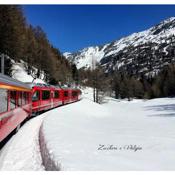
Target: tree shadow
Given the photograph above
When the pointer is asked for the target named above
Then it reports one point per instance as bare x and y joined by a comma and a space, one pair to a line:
163, 115
169, 110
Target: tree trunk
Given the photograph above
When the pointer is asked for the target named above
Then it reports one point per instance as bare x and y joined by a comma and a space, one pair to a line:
94, 94
97, 96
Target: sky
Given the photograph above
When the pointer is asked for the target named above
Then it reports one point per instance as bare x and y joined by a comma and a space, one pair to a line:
73, 27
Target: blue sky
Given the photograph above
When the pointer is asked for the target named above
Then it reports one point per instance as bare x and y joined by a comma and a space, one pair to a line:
73, 27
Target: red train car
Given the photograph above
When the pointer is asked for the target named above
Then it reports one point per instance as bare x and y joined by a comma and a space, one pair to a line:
15, 104
71, 95
66, 96
75, 95
19, 101
58, 97
46, 97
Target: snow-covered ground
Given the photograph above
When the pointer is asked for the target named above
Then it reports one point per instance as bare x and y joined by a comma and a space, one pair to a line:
22, 151
117, 135
88, 136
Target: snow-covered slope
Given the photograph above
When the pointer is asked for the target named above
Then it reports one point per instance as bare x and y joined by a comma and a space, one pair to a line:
84, 58
144, 51
19, 73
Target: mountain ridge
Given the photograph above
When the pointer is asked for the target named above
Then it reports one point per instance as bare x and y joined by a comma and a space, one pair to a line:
139, 53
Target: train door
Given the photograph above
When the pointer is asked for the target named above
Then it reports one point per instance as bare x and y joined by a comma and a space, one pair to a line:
52, 97
36, 102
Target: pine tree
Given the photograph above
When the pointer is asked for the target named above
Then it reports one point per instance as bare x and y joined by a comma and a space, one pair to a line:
116, 86
12, 26
75, 73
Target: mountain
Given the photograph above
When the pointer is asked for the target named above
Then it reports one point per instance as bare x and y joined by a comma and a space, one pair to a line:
142, 53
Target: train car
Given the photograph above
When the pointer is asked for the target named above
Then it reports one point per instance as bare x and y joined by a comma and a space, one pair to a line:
58, 97
15, 104
19, 101
46, 97
79, 94
75, 95
66, 95
71, 95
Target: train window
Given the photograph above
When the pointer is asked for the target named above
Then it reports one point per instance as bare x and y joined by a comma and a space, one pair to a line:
24, 98
3, 100
65, 93
45, 95
36, 96
74, 93
12, 99
27, 97
56, 94
19, 98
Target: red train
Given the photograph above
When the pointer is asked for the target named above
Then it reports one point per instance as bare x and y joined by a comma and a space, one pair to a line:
19, 101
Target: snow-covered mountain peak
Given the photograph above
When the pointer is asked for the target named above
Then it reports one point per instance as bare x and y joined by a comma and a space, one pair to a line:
66, 54
85, 57
168, 20
157, 41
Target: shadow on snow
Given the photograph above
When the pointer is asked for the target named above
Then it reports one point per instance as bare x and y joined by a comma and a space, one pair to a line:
169, 110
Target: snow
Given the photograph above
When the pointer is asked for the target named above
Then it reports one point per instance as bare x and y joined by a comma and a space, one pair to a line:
165, 50
22, 151
86, 56
66, 54
74, 134
117, 49
19, 73
134, 135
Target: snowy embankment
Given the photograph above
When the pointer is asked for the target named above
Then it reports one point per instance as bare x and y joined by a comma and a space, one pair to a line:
67, 130
118, 135
22, 151
19, 73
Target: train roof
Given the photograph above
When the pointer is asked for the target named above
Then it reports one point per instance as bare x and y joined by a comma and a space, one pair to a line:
10, 83
71, 87
40, 85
